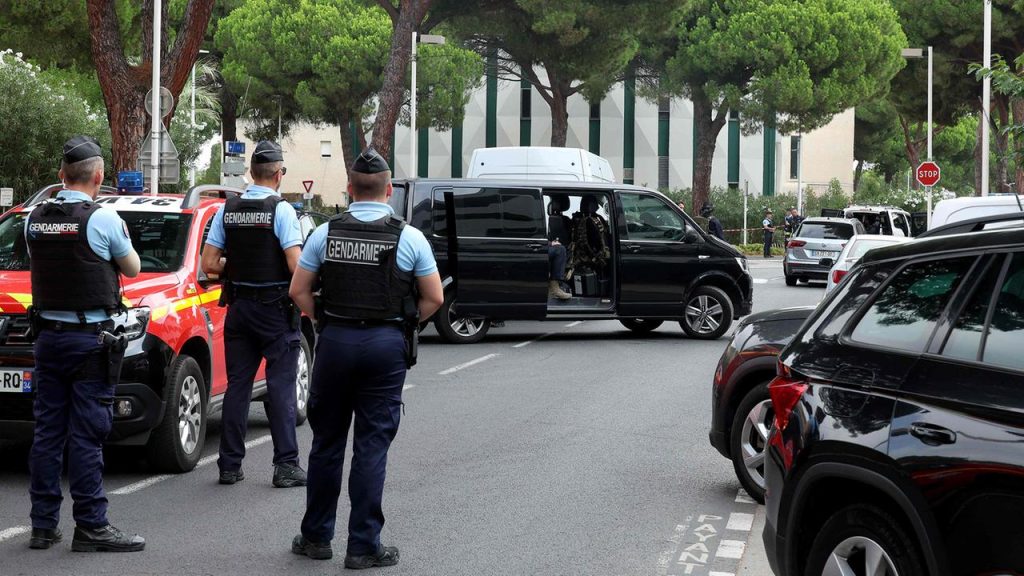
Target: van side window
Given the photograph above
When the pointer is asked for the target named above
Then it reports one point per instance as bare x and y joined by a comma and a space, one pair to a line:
649, 218
492, 213
900, 222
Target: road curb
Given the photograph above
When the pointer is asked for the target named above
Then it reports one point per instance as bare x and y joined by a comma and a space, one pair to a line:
755, 561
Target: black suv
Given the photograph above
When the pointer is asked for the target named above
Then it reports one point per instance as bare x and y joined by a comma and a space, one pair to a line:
898, 445
634, 256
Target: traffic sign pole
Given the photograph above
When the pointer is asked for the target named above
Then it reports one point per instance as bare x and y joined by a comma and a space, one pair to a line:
157, 117
928, 189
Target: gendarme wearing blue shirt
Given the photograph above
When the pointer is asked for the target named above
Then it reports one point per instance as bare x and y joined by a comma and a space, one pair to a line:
414, 252
286, 225
108, 238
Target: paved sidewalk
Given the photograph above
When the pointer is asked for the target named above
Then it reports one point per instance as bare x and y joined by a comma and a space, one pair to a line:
755, 562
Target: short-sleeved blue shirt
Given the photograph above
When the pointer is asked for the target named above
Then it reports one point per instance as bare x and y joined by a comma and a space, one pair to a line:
414, 252
286, 223
108, 238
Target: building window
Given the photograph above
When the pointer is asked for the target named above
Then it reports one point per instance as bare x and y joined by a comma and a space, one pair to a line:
525, 93
794, 157
325, 148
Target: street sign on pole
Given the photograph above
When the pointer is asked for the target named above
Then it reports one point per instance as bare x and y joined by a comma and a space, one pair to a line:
6, 196
308, 185
167, 159
928, 174
166, 102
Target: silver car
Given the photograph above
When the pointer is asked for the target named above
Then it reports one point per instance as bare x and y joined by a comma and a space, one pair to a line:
855, 248
814, 239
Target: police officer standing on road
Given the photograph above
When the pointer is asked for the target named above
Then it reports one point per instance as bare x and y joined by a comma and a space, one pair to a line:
714, 224
258, 233
368, 265
77, 251
769, 231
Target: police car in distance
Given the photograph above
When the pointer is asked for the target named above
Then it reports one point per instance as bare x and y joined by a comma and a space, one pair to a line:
173, 375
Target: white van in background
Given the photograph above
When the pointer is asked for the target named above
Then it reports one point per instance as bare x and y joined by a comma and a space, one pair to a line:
539, 163
968, 207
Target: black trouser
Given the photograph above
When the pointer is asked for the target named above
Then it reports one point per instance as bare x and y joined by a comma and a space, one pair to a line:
768, 244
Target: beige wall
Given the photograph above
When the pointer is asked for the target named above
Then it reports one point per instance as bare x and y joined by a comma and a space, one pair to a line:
304, 162
827, 153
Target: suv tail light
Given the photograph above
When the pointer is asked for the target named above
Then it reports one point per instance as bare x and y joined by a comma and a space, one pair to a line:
837, 275
796, 244
785, 391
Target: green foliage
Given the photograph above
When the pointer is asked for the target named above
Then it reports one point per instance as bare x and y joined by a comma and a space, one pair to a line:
38, 114
805, 60
447, 75
212, 173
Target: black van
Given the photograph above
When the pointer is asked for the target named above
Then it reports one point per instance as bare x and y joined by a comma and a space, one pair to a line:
634, 256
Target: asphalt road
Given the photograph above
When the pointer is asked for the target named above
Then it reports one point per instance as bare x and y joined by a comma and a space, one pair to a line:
549, 448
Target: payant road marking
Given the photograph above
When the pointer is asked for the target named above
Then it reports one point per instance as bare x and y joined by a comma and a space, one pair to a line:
464, 365
146, 483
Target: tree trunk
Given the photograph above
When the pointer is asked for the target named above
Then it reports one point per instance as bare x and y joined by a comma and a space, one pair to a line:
348, 151
406, 18
228, 115
709, 123
124, 87
1017, 106
857, 173
559, 115
911, 146
1002, 140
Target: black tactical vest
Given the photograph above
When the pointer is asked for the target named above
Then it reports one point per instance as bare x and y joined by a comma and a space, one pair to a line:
360, 276
66, 274
252, 248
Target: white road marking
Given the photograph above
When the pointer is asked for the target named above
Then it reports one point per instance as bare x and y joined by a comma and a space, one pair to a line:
721, 574
740, 521
574, 324
731, 549
407, 386
14, 532
455, 369
141, 484
743, 498
760, 280
528, 342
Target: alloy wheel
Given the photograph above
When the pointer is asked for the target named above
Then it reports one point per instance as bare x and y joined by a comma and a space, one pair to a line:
859, 556
464, 326
754, 439
704, 314
190, 417
302, 381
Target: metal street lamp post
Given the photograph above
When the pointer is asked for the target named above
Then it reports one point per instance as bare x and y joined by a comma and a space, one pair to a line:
919, 53
416, 39
986, 96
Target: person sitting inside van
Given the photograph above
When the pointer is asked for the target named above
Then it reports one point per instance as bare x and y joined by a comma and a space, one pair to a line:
872, 226
589, 237
559, 240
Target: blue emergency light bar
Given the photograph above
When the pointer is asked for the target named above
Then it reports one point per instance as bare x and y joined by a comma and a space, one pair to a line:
129, 182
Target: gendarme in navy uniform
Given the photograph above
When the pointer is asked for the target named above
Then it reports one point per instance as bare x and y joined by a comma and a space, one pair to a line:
258, 236
78, 251
768, 227
378, 279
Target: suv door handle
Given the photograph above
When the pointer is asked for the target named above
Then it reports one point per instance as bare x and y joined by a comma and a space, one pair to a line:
535, 246
632, 248
931, 434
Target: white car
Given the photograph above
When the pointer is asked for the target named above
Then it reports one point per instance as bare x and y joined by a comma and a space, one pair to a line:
968, 207
856, 247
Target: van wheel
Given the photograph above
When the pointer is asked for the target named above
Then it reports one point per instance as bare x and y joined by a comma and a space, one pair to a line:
177, 442
791, 280
748, 439
640, 325
459, 329
863, 539
708, 313
302, 379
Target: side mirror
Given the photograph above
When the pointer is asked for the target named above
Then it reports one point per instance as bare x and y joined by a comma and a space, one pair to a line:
826, 262
691, 236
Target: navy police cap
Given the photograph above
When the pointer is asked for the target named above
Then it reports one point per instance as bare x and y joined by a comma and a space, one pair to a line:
267, 152
81, 148
370, 162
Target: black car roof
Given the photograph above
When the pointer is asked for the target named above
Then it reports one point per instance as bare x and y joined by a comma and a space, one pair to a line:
998, 238
560, 184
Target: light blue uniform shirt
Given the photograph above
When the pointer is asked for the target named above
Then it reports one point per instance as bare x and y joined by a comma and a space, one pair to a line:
414, 252
108, 238
286, 225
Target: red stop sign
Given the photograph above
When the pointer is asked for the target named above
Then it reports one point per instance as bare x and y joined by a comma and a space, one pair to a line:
928, 174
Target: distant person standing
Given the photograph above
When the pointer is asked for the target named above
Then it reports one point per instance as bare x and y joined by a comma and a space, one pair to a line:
768, 226
682, 205
258, 233
714, 224
79, 251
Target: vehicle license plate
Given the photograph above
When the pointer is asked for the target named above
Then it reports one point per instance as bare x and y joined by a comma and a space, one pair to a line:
15, 380
824, 254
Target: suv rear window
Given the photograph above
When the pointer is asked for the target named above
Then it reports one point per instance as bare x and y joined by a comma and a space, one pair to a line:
905, 313
825, 230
